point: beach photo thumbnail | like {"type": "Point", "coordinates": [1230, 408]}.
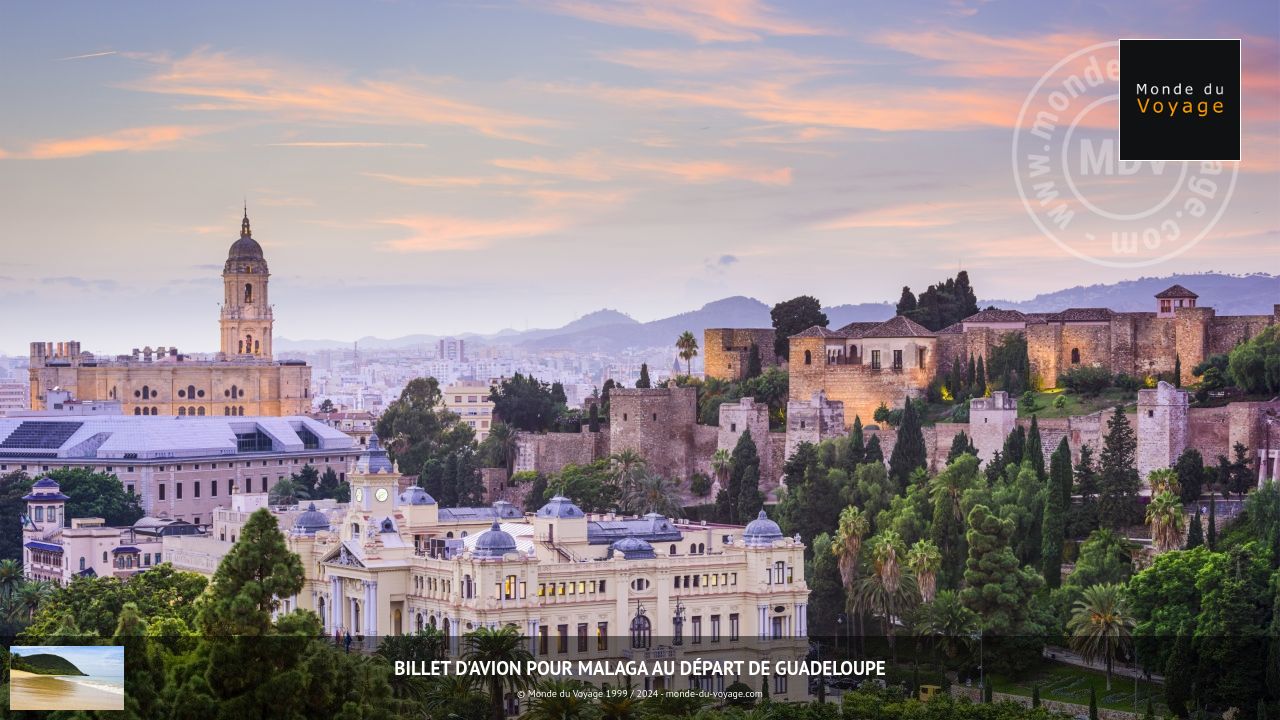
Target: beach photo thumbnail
{"type": "Point", "coordinates": [52, 677]}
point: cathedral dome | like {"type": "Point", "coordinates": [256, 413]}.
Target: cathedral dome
{"type": "Point", "coordinates": [761, 532]}
{"type": "Point", "coordinates": [246, 248]}
{"type": "Point", "coordinates": [311, 521]}
{"type": "Point", "coordinates": [494, 543]}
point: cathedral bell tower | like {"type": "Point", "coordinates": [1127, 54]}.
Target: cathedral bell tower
{"type": "Point", "coordinates": [246, 310]}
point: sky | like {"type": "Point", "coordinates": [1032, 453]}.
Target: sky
{"type": "Point", "coordinates": [101, 660]}
{"type": "Point", "coordinates": [457, 167]}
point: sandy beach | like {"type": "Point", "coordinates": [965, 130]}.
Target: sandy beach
{"type": "Point", "coordinates": [28, 691]}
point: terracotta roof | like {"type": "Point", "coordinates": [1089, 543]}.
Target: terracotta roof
{"type": "Point", "coordinates": [952, 329]}
{"type": "Point", "coordinates": [899, 327]}
{"type": "Point", "coordinates": [1036, 318]}
{"type": "Point", "coordinates": [1176, 291]}
{"type": "Point", "coordinates": [856, 329]}
{"type": "Point", "coordinates": [1082, 315]}
{"type": "Point", "coordinates": [996, 315]}
{"type": "Point", "coordinates": [817, 331]}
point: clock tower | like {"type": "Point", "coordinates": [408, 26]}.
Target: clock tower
{"type": "Point", "coordinates": [374, 483]}
{"type": "Point", "coordinates": [246, 311]}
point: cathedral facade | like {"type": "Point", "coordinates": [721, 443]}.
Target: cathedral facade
{"type": "Point", "coordinates": [241, 379]}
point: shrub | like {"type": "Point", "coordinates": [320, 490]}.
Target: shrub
{"type": "Point", "coordinates": [1128, 382]}
{"type": "Point", "coordinates": [1088, 380]}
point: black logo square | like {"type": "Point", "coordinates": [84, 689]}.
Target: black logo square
{"type": "Point", "coordinates": [1179, 99]}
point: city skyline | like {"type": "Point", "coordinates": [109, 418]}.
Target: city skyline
{"type": "Point", "coordinates": [417, 167]}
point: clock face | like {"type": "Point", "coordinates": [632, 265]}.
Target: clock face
{"type": "Point", "coordinates": [381, 495]}
{"type": "Point", "coordinates": [359, 494]}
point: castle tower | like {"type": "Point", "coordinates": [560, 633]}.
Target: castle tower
{"type": "Point", "coordinates": [991, 419]}
{"type": "Point", "coordinates": [1162, 428]}
{"type": "Point", "coordinates": [246, 310]}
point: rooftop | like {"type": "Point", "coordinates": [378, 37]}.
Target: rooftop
{"type": "Point", "coordinates": [1175, 291]}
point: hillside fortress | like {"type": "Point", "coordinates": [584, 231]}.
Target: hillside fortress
{"type": "Point", "coordinates": [864, 364]}
{"type": "Point", "coordinates": [241, 379]}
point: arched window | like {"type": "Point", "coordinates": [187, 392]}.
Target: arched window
{"type": "Point", "coordinates": [146, 392]}
{"type": "Point", "coordinates": [182, 411]}
{"type": "Point", "coordinates": [808, 358]}
{"type": "Point", "coordinates": [137, 411]}
{"type": "Point", "coordinates": [200, 411]}
{"type": "Point", "coordinates": [191, 411]}
{"type": "Point", "coordinates": [191, 391]}
{"type": "Point", "coordinates": [104, 556]}
{"type": "Point", "coordinates": [248, 342]}
{"type": "Point", "coordinates": [673, 550]}
{"type": "Point", "coordinates": [248, 292]}
{"type": "Point", "coordinates": [702, 548]}
{"type": "Point", "coordinates": [257, 347]}
{"type": "Point", "coordinates": [240, 348]}
{"type": "Point", "coordinates": [82, 563]}
{"type": "Point", "coordinates": [468, 587]}
{"type": "Point", "coordinates": [419, 623]}
{"type": "Point", "coordinates": [1075, 356]}
{"type": "Point", "coordinates": [641, 632]}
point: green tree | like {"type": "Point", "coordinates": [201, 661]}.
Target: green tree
{"type": "Point", "coordinates": [997, 588]}
{"type": "Point", "coordinates": [924, 559]}
{"type": "Point", "coordinates": [1009, 366]}
{"type": "Point", "coordinates": [308, 479]}
{"type": "Point", "coordinates": [1105, 557]}
{"type": "Point", "coordinates": [644, 381]}
{"type": "Point", "coordinates": [874, 454]}
{"type": "Point", "coordinates": [687, 344]}
{"type": "Point", "coordinates": [847, 543]}
{"type": "Point", "coordinates": [906, 302]}
{"type": "Point", "coordinates": [1167, 521]}
{"type": "Point", "coordinates": [1190, 469]}
{"type": "Point", "coordinates": [942, 303]}
{"type": "Point", "coordinates": [1034, 452]}
{"type": "Point", "coordinates": [1101, 627]}
{"type": "Point", "coordinates": [96, 494]}
{"type": "Point", "coordinates": [1118, 481]}
{"type": "Point", "coordinates": [525, 403]}
{"type": "Point", "coordinates": [1055, 515]}
{"type": "Point", "coordinates": [947, 490]}
{"type": "Point", "coordinates": [417, 428]}
{"type": "Point", "coordinates": [593, 423]}
{"type": "Point", "coordinates": [326, 406]}
{"type": "Point", "coordinates": [494, 645]}
{"type": "Point", "coordinates": [1254, 365]}
{"type": "Point", "coordinates": [793, 316]}
{"type": "Point", "coordinates": [1211, 538]}
{"type": "Point", "coordinates": [755, 365]}
{"type": "Point", "coordinates": [960, 444]}
{"type": "Point", "coordinates": [887, 591]}
{"type": "Point", "coordinates": [1195, 532]}
{"type": "Point", "coordinates": [287, 492]}
{"type": "Point", "coordinates": [743, 458]}
{"type": "Point", "coordinates": [909, 452]}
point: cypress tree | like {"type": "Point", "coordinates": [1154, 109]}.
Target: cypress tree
{"type": "Point", "coordinates": [1055, 515]}
{"type": "Point", "coordinates": [1195, 533]}
{"type": "Point", "coordinates": [1118, 481]}
{"type": "Point", "coordinates": [874, 453]}
{"type": "Point", "coordinates": [752, 500]}
{"type": "Point", "coordinates": [1034, 450]}
{"type": "Point", "coordinates": [971, 375]}
{"type": "Point", "coordinates": [754, 366]}
{"type": "Point", "coordinates": [643, 382]}
{"type": "Point", "coordinates": [1211, 537]}
{"type": "Point", "coordinates": [960, 445]}
{"type": "Point", "coordinates": [1015, 447]}
{"type": "Point", "coordinates": [957, 383]}
{"type": "Point", "coordinates": [744, 456]}
{"type": "Point", "coordinates": [593, 418]}
{"type": "Point", "coordinates": [980, 378]}
{"type": "Point", "coordinates": [857, 447]}
{"type": "Point", "coordinates": [1177, 371]}
{"type": "Point", "coordinates": [909, 451]}
{"type": "Point", "coordinates": [994, 469]}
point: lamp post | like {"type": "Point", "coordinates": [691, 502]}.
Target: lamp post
{"type": "Point", "coordinates": [840, 625]}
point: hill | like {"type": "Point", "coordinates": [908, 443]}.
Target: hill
{"type": "Point", "coordinates": [44, 664]}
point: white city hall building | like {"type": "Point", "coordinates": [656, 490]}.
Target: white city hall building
{"type": "Point", "coordinates": [578, 586]}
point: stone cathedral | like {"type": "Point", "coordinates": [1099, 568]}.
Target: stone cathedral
{"type": "Point", "coordinates": [242, 378]}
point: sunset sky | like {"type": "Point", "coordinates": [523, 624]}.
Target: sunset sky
{"type": "Point", "coordinates": [453, 167]}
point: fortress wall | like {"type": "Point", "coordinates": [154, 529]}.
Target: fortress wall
{"type": "Point", "coordinates": [1225, 332]}
{"type": "Point", "coordinates": [549, 453]}
{"type": "Point", "coordinates": [659, 424]}
{"type": "Point", "coordinates": [1209, 431]}
{"type": "Point", "coordinates": [725, 351]}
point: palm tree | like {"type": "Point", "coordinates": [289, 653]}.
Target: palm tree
{"type": "Point", "coordinates": [721, 463]}
{"type": "Point", "coordinates": [447, 692]}
{"type": "Point", "coordinates": [504, 644]}
{"type": "Point", "coordinates": [10, 577]}
{"type": "Point", "coordinates": [1164, 479]}
{"type": "Point", "coordinates": [652, 493]}
{"type": "Point", "coordinates": [29, 597]}
{"type": "Point", "coordinates": [948, 620]}
{"type": "Point", "coordinates": [504, 439]}
{"type": "Point", "coordinates": [848, 542]}
{"type": "Point", "coordinates": [688, 346]}
{"type": "Point", "coordinates": [888, 591]}
{"type": "Point", "coordinates": [622, 707]}
{"type": "Point", "coordinates": [1167, 521]}
{"type": "Point", "coordinates": [924, 559]}
{"type": "Point", "coordinates": [626, 465]}
{"type": "Point", "coordinates": [1100, 625]}
{"type": "Point", "coordinates": [886, 554]}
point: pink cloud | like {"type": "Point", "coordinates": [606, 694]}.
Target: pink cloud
{"type": "Point", "coordinates": [453, 181]}
{"type": "Point", "coordinates": [140, 139]}
{"type": "Point", "coordinates": [703, 20]}
{"type": "Point", "coordinates": [301, 94]}
{"type": "Point", "coordinates": [440, 233]}
{"type": "Point", "coordinates": [594, 166]}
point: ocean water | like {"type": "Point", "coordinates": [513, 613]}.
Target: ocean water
{"type": "Point", "coordinates": [109, 683]}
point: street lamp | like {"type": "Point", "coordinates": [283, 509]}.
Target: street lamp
{"type": "Point", "coordinates": [840, 626]}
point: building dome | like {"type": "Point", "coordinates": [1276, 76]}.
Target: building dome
{"type": "Point", "coordinates": [311, 522]}
{"type": "Point", "coordinates": [246, 248]}
{"type": "Point", "coordinates": [560, 507]}
{"type": "Point", "coordinates": [416, 496]}
{"type": "Point", "coordinates": [374, 459]}
{"type": "Point", "coordinates": [633, 548]}
{"type": "Point", "coordinates": [761, 532]}
{"type": "Point", "coordinates": [494, 543]}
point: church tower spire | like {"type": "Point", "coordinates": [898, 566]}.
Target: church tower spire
{"type": "Point", "coordinates": [246, 313]}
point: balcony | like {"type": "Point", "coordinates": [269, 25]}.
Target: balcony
{"type": "Point", "coordinates": [661, 652]}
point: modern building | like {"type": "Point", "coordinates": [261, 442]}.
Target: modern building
{"type": "Point", "coordinates": [180, 467]}
{"type": "Point", "coordinates": [576, 585]}
{"type": "Point", "coordinates": [451, 348]}
{"type": "Point", "coordinates": [13, 396]}
{"type": "Point", "coordinates": [356, 423]}
{"type": "Point", "coordinates": [241, 379]}
{"type": "Point", "coordinates": [469, 399]}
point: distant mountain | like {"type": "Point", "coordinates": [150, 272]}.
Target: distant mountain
{"type": "Point", "coordinates": [611, 331]}
{"type": "Point", "coordinates": [44, 664]}
{"type": "Point", "coordinates": [1228, 294]}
